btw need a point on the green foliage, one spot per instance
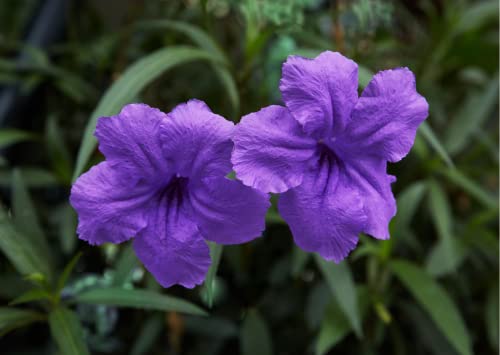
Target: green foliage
(268, 294)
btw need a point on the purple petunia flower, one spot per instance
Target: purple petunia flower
(163, 182)
(327, 151)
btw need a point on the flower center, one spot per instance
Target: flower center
(176, 188)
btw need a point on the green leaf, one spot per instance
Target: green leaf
(491, 316)
(57, 150)
(129, 85)
(341, 283)
(255, 337)
(19, 249)
(299, 261)
(476, 15)
(436, 302)
(125, 264)
(427, 132)
(67, 332)
(477, 108)
(203, 40)
(67, 221)
(13, 136)
(334, 328)
(138, 299)
(476, 191)
(440, 210)
(26, 219)
(215, 255)
(33, 177)
(150, 330)
(35, 294)
(408, 201)
(12, 318)
(61, 282)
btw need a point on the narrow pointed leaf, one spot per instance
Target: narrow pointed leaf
(215, 255)
(431, 138)
(61, 282)
(138, 299)
(67, 332)
(125, 264)
(341, 284)
(12, 318)
(35, 294)
(255, 337)
(436, 302)
(129, 85)
(12, 136)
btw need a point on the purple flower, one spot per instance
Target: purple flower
(327, 151)
(163, 183)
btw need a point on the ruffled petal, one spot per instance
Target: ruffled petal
(271, 152)
(325, 213)
(109, 204)
(369, 177)
(228, 212)
(132, 139)
(386, 117)
(196, 141)
(171, 247)
(320, 92)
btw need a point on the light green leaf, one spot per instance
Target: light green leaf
(476, 15)
(35, 294)
(26, 219)
(341, 283)
(67, 332)
(215, 255)
(12, 318)
(129, 85)
(458, 178)
(434, 261)
(138, 299)
(440, 210)
(471, 116)
(365, 75)
(436, 302)
(125, 264)
(427, 132)
(13, 136)
(19, 249)
(255, 337)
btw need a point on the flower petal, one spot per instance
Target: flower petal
(385, 119)
(369, 176)
(228, 212)
(132, 139)
(320, 92)
(325, 213)
(171, 247)
(109, 204)
(271, 152)
(196, 141)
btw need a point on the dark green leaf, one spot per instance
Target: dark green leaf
(436, 302)
(61, 282)
(334, 328)
(149, 332)
(255, 337)
(131, 83)
(13, 136)
(12, 318)
(33, 177)
(35, 294)
(491, 316)
(341, 283)
(25, 257)
(67, 332)
(138, 299)
(57, 150)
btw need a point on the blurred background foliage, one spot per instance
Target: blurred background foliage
(431, 289)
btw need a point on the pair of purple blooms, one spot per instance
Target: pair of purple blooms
(164, 179)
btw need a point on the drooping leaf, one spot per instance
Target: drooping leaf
(131, 83)
(138, 299)
(436, 302)
(12, 318)
(342, 286)
(67, 332)
(35, 294)
(255, 337)
(13, 136)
